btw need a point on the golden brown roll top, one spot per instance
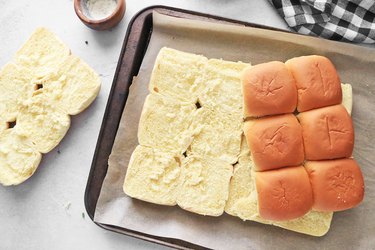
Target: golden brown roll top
(275, 142)
(337, 184)
(268, 89)
(317, 81)
(327, 133)
(284, 194)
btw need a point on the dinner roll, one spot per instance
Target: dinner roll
(317, 82)
(275, 141)
(153, 175)
(337, 184)
(204, 185)
(284, 194)
(268, 89)
(327, 133)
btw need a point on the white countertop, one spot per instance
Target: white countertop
(47, 211)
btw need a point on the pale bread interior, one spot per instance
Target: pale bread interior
(43, 122)
(39, 90)
(18, 158)
(15, 84)
(223, 90)
(175, 73)
(75, 86)
(165, 123)
(217, 141)
(153, 176)
(43, 53)
(216, 135)
(204, 185)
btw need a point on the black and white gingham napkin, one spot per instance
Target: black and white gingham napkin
(342, 20)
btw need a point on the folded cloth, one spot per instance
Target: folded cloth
(342, 20)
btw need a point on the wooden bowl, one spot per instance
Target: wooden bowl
(99, 24)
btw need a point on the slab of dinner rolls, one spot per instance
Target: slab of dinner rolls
(74, 87)
(18, 157)
(43, 53)
(222, 86)
(40, 88)
(165, 123)
(216, 135)
(174, 74)
(153, 175)
(216, 142)
(204, 185)
(15, 84)
(42, 122)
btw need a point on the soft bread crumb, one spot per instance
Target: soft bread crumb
(165, 123)
(347, 97)
(74, 87)
(207, 125)
(204, 185)
(174, 74)
(43, 53)
(18, 158)
(16, 83)
(43, 122)
(153, 175)
(222, 83)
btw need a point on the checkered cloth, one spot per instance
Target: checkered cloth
(342, 20)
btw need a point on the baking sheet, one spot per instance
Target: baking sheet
(355, 64)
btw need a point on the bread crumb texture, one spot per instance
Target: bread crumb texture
(41, 87)
(193, 151)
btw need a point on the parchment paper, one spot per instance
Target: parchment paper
(351, 229)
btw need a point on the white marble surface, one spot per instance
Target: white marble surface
(47, 211)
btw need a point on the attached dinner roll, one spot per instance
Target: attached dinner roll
(43, 53)
(204, 185)
(216, 135)
(18, 158)
(74, 87)
(337, 184)
(268, 89)
(222, 86)
(275, 141)
(174, 74)
(165, 123)
(317, 82)
(242, 201)
(15, 84)
(153, 176)
(327, 133)
(284, 194)
(42, 122)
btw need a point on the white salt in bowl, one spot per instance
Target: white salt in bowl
(100, 14)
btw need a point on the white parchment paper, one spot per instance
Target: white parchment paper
(352, 229)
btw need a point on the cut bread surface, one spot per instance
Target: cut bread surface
(40, 89)
(204, 185)
(18, 158)
(165, 123)
(153, 176)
